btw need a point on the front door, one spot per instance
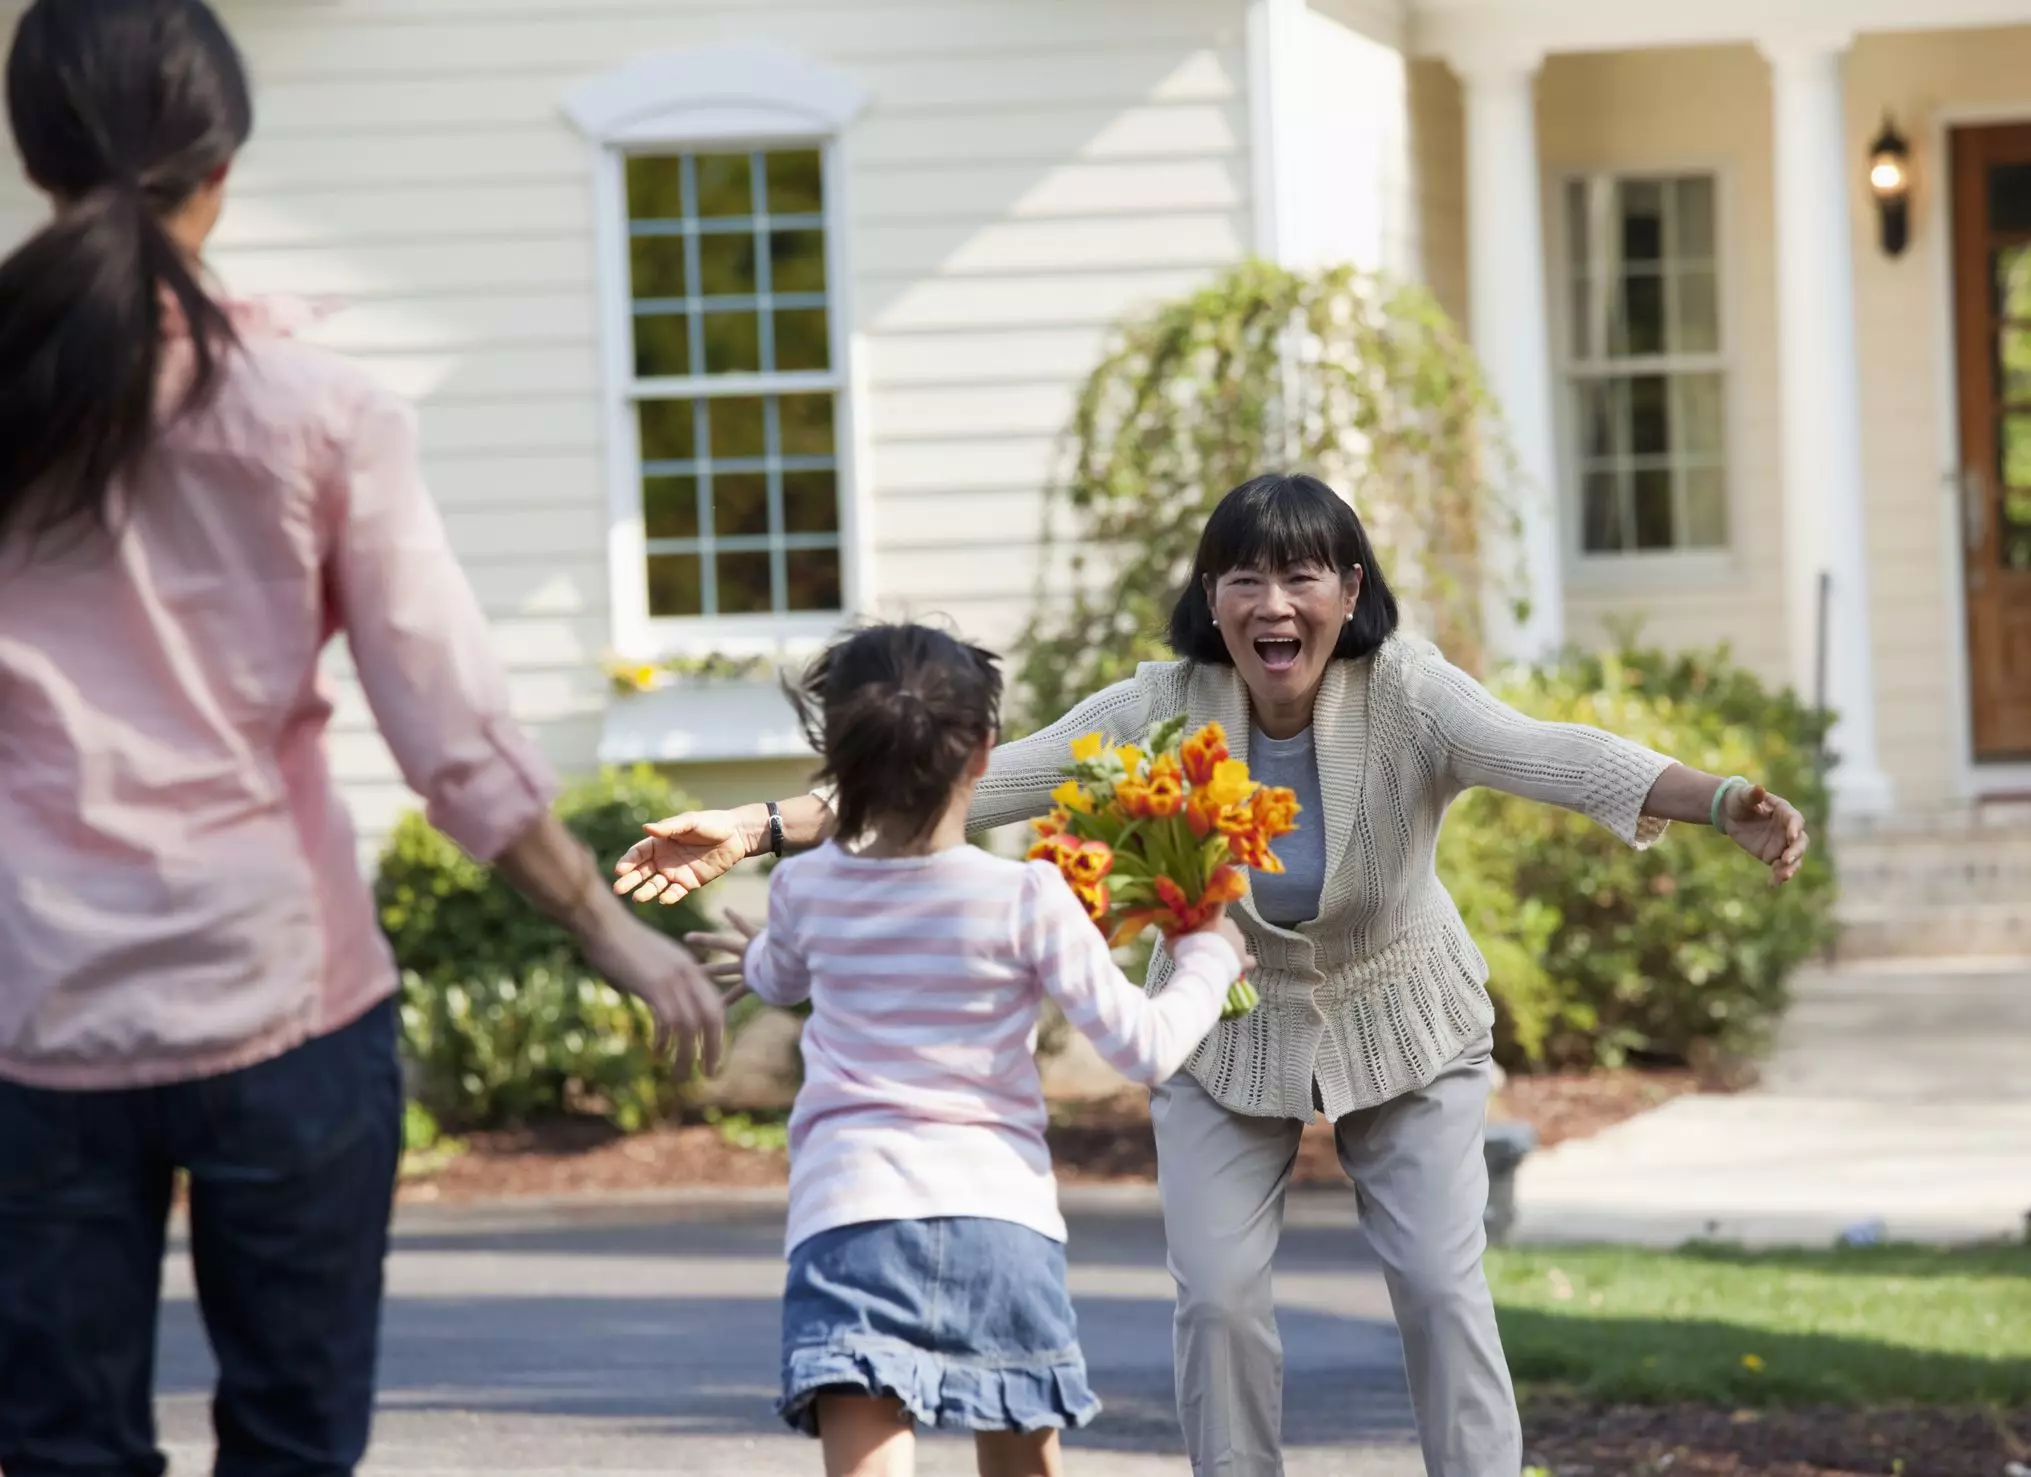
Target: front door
(1992, 307)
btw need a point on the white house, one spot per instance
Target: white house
(730, 318)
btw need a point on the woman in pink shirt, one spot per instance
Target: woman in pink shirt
(191, 508)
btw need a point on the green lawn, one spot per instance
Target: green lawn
(1726, 1326)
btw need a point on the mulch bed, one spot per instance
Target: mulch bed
(1574, 1439)
(1107, 1141)
(586, 1157)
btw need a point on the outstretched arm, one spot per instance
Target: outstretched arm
(1631, 790)
(682, 854)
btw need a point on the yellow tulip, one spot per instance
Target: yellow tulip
(1072, 796)
(1089, 747)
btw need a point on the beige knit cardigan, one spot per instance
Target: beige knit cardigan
(1371, 998)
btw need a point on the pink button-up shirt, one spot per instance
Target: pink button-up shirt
(179, 885)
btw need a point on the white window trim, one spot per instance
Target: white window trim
(717, 98)
(1634, 569)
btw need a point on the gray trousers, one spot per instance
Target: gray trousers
(1421, 1184)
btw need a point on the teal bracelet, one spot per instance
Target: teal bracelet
(1732, 783)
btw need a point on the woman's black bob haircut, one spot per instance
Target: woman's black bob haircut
(1272, 523)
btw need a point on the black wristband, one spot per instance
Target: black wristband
(775, 830)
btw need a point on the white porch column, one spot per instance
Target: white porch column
(1329, 117)
(1820, 401)
(1506, 301)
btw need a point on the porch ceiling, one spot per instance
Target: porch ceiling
(1469, 31)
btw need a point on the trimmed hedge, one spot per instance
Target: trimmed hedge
(503, 1022)
(1597, 951)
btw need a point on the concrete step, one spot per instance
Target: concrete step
(1942, 886)
(1936, 1031)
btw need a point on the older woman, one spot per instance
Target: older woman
(1373, 1010)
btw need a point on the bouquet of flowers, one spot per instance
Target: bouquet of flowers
(1159, 836)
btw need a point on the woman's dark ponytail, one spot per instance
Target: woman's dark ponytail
(122, 110)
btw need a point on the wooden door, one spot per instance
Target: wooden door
(1992, 307)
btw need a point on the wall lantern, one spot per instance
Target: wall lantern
(1890, 182)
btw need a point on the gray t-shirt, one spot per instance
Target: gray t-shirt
(1292, 896)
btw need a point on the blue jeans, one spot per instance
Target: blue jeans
(292, 1170)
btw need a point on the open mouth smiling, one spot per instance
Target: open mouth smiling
(1278, 653)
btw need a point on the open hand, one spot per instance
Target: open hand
(1768, 827)
(728, 972)
(690, 1018)
(680, 855)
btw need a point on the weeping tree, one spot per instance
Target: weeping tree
(1358, 379)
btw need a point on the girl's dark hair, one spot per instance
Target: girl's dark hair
(121, 110)
(1271, 523)
(896, 711)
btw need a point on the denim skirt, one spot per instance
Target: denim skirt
(965, 1320)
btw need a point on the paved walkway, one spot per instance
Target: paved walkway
(644, 1340)
(1899, 1092)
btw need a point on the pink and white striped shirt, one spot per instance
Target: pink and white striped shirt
(924, 974)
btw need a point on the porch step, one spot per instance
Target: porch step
(1951, 887)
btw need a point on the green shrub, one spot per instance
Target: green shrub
(1596, 951)
(502, 1020)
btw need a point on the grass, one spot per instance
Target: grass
(1720, 1325)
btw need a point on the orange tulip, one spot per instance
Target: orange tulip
(1226, 885)
(1203, 751)
(1096, 900)
(1132, 797)
(1090, 862)
(1166, 787)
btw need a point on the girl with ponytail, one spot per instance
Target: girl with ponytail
(927, 1261)
(191, 976)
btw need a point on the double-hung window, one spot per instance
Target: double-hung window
(1645, 366)
(734, 385)
(726, 342)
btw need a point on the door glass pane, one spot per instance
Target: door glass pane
(2016, 540)
(2010, 197)
(2015, 448)
(1652, 501)
(2013, 363)
(2012, 267)
(674, 588)
(744, 585)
